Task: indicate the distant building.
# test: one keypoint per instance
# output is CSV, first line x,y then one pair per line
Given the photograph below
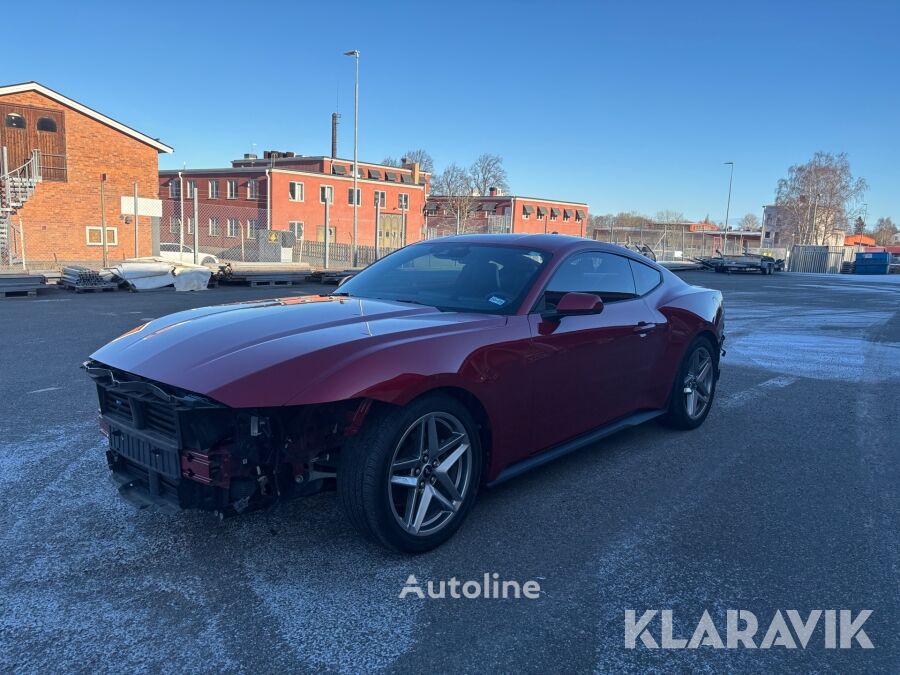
x,y
497,213
780,226
58,152
284,191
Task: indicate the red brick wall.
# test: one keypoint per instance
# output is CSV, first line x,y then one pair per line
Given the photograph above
x,y
311,211
55,216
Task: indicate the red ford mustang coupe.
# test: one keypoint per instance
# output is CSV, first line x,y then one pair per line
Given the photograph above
x,y
446,366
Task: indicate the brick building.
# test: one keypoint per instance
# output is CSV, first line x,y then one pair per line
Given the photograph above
x,y
284,191
504,213
57,153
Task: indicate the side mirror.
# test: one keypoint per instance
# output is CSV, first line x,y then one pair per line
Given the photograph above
x,y
578,304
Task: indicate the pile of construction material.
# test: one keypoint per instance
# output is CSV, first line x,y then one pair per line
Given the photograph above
x,y
333,277
140,274
20,285
83,280
263,274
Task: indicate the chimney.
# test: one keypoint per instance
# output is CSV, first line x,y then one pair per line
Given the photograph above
x,y
334,124
415,173
493,192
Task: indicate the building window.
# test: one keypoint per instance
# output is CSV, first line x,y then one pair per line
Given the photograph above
x,y
46,124
296,192
350,196
190,225
15,121
567,215
403,200
232,228
94,236
380,198
213,227
213,189
174,224
296,226
231,189
253,189
252,227
326,194
175,188
191,188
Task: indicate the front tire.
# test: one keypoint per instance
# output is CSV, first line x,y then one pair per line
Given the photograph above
x,y
408,479
694,388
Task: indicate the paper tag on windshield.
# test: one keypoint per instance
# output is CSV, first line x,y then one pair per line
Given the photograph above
x,y
496,300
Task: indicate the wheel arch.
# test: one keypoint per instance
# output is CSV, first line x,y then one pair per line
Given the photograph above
x,y
471,402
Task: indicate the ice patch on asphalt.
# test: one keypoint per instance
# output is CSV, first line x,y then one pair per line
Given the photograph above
x,y
820,344
87,580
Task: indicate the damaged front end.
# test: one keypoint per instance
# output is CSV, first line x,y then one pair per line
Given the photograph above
x,y
174,450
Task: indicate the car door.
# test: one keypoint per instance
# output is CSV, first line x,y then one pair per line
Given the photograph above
x,y
589,370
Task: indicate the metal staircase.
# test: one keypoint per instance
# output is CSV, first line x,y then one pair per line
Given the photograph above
x,y
16,187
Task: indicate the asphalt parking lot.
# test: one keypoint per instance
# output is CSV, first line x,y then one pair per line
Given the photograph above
x,y
787,498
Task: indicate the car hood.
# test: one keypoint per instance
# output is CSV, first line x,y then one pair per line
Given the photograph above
x,y
264,353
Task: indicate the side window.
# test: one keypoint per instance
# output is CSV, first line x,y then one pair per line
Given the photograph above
x,y
645,277
15,121
603,274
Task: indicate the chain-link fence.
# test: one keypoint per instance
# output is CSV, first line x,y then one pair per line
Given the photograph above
x,y
677,242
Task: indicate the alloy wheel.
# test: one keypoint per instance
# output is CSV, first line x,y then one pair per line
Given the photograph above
x,y
698,383
430,474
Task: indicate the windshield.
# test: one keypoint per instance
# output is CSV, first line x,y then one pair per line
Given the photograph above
x,y
452,276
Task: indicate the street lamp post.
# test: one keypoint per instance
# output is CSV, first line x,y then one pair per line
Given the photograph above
x,y
728,210
354,258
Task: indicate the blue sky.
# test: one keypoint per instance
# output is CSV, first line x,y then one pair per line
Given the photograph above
x,y
625,105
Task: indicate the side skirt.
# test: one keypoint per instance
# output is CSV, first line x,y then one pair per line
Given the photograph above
x,y
577,443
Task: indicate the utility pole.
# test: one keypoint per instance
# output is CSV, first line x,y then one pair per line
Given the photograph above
x,y
136,253
196,226
728,210
353,255
103,220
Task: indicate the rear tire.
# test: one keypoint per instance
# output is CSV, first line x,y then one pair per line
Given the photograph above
x,y
408,479
694,389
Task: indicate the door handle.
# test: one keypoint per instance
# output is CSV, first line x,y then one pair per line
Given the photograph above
x,y
643,328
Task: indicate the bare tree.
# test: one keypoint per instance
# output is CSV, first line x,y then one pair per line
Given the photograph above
x,y
884,231
390,161
749,223
455,183
420,156
486,172
669,216
821,196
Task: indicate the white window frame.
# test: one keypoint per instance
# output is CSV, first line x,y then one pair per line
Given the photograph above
x,y
297,227
175,188
213,193
174,224
326,190
232,232
358,196
112,235
381,198
252,226
293,185
566,218
231,188
191,189
190,225
403,201
216,232
253,189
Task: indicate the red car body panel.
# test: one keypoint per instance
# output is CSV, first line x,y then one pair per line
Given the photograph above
x,y
539,381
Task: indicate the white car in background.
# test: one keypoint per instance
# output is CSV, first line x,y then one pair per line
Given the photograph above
x,y
185,254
